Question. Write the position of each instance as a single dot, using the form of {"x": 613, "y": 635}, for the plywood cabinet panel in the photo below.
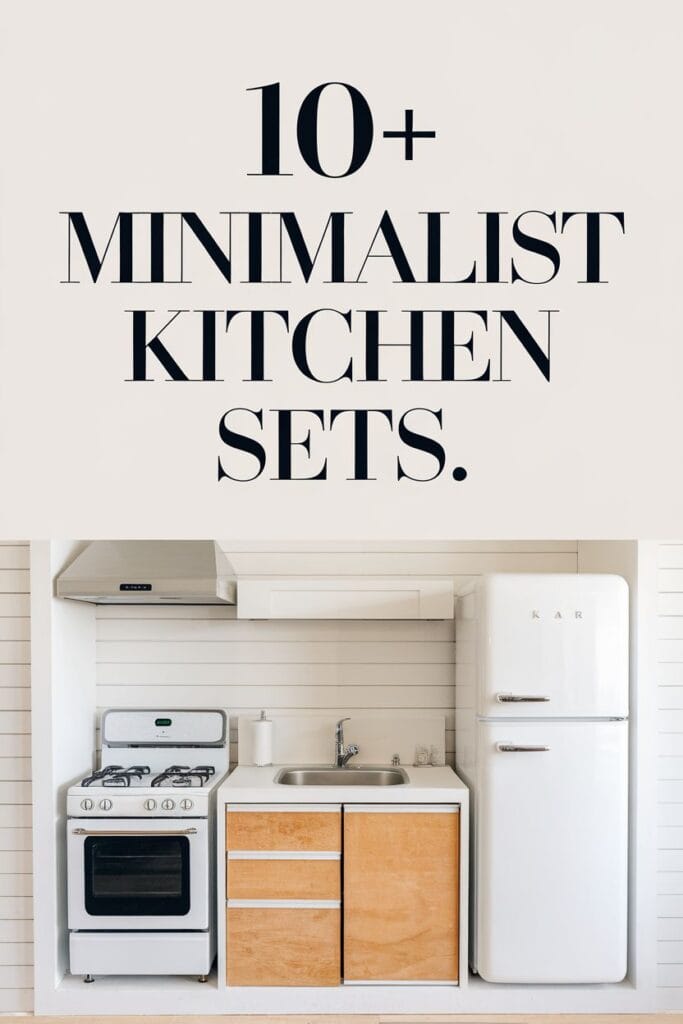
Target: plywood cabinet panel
{"x": 401, "y": 881}
{"x": 284, "y": 879}
{"x": 284, "y": 830}
{"x": 283, "y": 946}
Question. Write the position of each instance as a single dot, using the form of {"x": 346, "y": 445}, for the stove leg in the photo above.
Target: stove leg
{"x": 88, "y": 979}
{"x": 203, "y": 978}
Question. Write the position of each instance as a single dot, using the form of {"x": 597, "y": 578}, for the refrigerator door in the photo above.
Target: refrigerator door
{"x": 550, "y": 871}
{"x": 553, "y": 645}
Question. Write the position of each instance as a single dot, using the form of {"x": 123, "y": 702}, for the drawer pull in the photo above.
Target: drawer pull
{"x": 284, "y": 904}
{"x": 283, "y": 855}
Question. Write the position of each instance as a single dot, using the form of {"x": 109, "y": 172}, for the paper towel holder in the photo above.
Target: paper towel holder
{"x": 262, "y": 740}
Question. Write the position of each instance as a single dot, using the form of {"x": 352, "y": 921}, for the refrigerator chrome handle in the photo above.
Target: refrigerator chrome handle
{"x": 513, "y": 698}
{"x": 513, "y": 748}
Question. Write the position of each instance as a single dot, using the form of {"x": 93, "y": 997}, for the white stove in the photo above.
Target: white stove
{"x": 141, "y": 842}
{"x": 138, "y": 790}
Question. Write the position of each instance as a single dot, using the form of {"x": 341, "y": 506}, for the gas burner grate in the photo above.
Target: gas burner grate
{"x": 124, "y": 778}
{"x": 101, "y": 773}
{"x": 184, "y": 777}
{"x": 116, "y": 775}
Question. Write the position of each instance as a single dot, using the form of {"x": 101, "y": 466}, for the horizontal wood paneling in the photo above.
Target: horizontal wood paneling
{"x": 13, "y": 698}
{"x": 14, "y": 556}
{"x": 15, "y": 862}
{"x": 16, "y": 885}
{"x": 16, "y": 879}
{"x": 15, "y": 722}
{"x": 15, "y": 815}
{"x": 16, "y": 954}
{"x": 15, "y": 627}
{"x": 18, "y": 908}
{"x": 15, "y": 769}
{"x": 15, "y": 652}
{"x": 18, "y": 745}
{"x": 15, "y": 675}
{"x": 122, "y": 627}
{"x": 670, "y": 604}
{"x": 16, "y": 931}
{"x": 265, "y": 651}
{"x": 14, "y": 605}
{"x": 669, "y": 654}
{"x": 184, "y": 656}
{"x": 15, "y": 839}
{"x": 16, "y": 1000}
{"x": 285, "y": 697}
{"x": 15, "y": 977}
{"x": 273, "y": 674}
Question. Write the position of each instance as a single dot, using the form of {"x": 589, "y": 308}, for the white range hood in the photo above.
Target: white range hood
{"x": 150, "y": 572}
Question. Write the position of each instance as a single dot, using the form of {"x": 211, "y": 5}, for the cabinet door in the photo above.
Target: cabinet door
{"x": 345, "y": 598}
{"x": 401, "y": 878}
{"x": 287, "y": 944}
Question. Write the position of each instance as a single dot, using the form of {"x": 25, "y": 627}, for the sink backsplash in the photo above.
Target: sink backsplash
{"x": 309, "y": 738}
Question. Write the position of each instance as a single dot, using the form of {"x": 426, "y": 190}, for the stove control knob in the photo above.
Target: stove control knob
{"x": 87, "y": 805}
{"x": 105, "y": 805}
{"x": 150, "y": 805}
{"x": 186, "y": 804}
{"x": 168, "y": 805}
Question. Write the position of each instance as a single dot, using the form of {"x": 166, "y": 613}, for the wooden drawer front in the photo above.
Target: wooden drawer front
{"x": 283, "y": 946}
{"x": 284, "y": 879}
{"x": 284, "y": 830}
{"x": 401, "y": 886}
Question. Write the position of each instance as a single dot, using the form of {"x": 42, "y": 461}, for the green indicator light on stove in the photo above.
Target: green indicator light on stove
{"x": 161, "y": 723}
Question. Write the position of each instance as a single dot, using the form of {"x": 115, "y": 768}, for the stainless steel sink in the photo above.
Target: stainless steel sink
{"x": 352, "y": 776}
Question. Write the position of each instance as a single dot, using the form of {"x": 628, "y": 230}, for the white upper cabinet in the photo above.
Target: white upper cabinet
{"x": 345, "y": 598}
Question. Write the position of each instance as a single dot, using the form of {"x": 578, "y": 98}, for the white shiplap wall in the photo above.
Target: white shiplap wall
{"x": 670, "y": 775}
{"x": 184, "y": 657}
{"x": 16, "y": 911}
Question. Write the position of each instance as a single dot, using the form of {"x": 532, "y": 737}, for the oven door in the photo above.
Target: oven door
{"x": 131, "y": 875}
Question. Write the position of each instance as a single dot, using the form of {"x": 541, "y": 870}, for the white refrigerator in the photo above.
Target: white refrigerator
{"x": 542, "y": 740}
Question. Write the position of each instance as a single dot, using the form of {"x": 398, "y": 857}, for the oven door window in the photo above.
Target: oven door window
{"x": 137, "y": 876}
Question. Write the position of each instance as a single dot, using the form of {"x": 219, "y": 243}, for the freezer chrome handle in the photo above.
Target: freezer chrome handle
{"x": 133, "y": 832}
{"x": 513, "y": 698}
{"x": 514, "y": 748}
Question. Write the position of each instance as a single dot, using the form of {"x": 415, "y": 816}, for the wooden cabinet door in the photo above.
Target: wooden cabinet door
{"x": 289, "y": 944}
{"x": 401, "y": 880}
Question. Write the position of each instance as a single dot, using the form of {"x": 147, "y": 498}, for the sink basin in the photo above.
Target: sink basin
{"x": 329, "y": 776}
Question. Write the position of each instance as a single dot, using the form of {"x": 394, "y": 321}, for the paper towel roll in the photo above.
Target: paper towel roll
{"x": 262, "y": 740}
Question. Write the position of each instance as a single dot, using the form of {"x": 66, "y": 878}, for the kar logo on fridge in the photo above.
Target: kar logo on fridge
{"x": 576, "y": 614}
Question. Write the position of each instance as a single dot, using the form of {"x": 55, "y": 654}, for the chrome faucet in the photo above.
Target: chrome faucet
{"x": 342, "y": 754}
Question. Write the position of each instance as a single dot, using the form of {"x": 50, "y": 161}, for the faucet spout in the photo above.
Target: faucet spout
{"x": 342, "y": 754}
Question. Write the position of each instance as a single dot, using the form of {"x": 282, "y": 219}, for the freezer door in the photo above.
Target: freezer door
{"x": 550, "y": 852}
{"x": 552, "y": 645}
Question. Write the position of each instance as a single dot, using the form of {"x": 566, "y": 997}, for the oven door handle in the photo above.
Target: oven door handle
{"x": 133, "y": 832}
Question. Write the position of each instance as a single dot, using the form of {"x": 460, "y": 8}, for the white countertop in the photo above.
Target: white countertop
{"x": 248, "y": 784}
